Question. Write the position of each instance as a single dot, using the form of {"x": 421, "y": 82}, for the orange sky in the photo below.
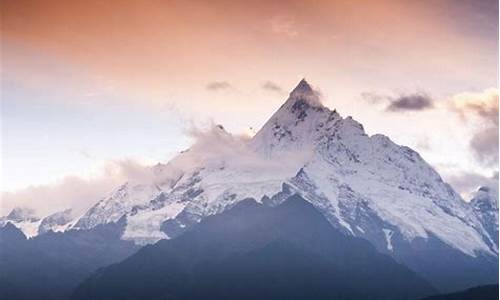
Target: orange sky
{"x": 170, "y": 45}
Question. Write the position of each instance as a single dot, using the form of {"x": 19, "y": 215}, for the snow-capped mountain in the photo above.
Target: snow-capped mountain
{"x": 57, "y": 222}
{"x": 144, "y": 203}
{"x": 125, "y": 199}
{"x": 31, "y": 225}
{"x": 20, "y": 214}
{"x": 366, "y": 186}
{"x": 23, "y": 218}
{"x": 305, "y": 148}
{"x": 352, "y": 174}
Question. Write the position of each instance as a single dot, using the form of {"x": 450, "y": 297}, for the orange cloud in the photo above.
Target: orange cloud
{"x": 483, "y": 105}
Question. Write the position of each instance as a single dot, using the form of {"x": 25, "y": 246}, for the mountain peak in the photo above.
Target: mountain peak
{"x": 484, "y": 199}
{"x": 19, "y": 214}
{"x": 296, "y": 124}
{"x": 304, "y": 92}
{"x": 303, "y": 86}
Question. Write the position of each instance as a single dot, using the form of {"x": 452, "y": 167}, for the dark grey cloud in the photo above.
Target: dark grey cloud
{"x": 404, "y": 102}
{"x": 411, "y": 102}
{"x": 271, "y": 86}
{"x": 484, "y": 146}
{"x": 218, "y": 85}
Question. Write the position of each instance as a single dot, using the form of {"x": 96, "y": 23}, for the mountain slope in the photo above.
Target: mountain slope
{"x": 485, "y": 206}
{"x": 366, "y": 186}
{"x": 398, "y": 184}
{"x": 50, "y": 265}
{"x": 487, "y": 292}
{"x": 56, "y": 222}
{"x": 23, "y": 218}
{"x": 254, "y": 251}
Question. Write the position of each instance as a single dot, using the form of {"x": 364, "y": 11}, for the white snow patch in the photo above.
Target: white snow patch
{"x": 145, "y": 227}
{"x": 29, "y": 228}
{"x": 388, "y": 235}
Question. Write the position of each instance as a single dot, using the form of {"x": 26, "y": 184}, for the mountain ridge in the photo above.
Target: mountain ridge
{"x": 365, "y": 186}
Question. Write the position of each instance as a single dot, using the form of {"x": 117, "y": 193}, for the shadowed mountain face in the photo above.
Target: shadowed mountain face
{"x": 253, "y": 251}
{"x": 486, "y": 292}
{"x": 51, "y": 265}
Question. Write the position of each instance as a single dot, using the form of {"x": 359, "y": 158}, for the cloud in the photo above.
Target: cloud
{"x": 423, "y": 143}
{"x": 484, "y": 146}
{"x": 271, "y": 86}
{"x": 483, "y": 105}
{"x": 213, "y": 148}
{"x": 466, "y": 183}
{"x": 479, "y": 110}
{"x": 76, "y": 192}
{"x": 400, "y": 103}
{"x": 216, "y": 148}
{"x": 284, "y": 25}
{"x": 70, "y": 192}
{"x": 410, "y": 102}
{"x": 218, "y": 85}
{"x": 85, "y": 153}
{"x": 374, "y": 98}
{"x": 482, "y": 109}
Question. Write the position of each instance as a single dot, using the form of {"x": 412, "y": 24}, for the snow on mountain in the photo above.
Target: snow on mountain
{"x": 20, "y": 214}
{"x": 56, "y": 222}
{"x": 126, "y": 198}
{"x": 394, "y": 182}
{"x": 485, "y": 205}
{"x": 23, "y": 218}
{"x": 31, "y": 225}
{"x": 143, "y": 202}
{"x": 296, "y": 125}
{"x": 365, "y": 185}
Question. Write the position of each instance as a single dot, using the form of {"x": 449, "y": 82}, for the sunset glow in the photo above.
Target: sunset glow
{"x": 86, "y": 83}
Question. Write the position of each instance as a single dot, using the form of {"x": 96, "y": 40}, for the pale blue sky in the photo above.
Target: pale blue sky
{"x": 45, "y": 139}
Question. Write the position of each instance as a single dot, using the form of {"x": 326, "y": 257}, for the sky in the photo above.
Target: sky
{"x": 93, "y": 86}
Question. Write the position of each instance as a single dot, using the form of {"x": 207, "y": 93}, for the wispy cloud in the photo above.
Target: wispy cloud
{"x": 271, "y": 86}
{"x": 284, "y": 25}
{"x": 484, "y": 146}
{"x": 466, "y": 183}
{"x": 374, "y": 98}
{"x": 483, "y": 105}
{"x": 480, "y": 108}
{"x": 218, "y": 85}
{"x": 76, "y": 192}
{"x": 212, "y": 148}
